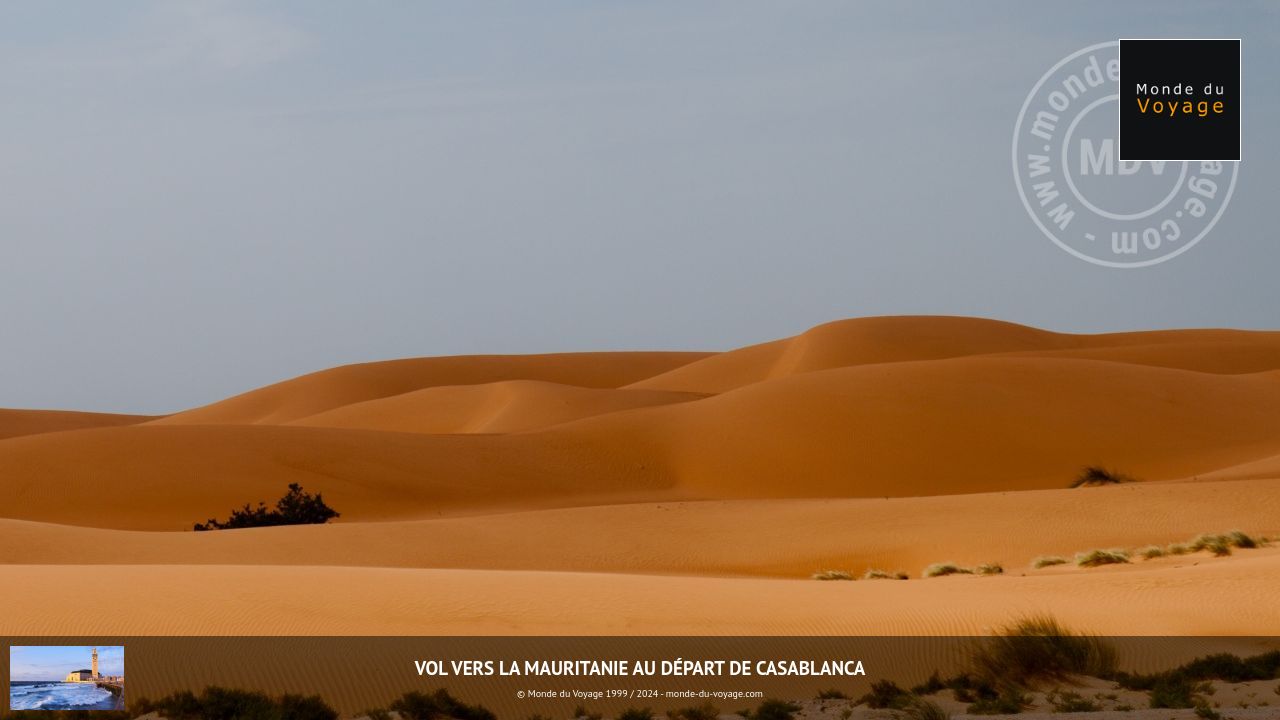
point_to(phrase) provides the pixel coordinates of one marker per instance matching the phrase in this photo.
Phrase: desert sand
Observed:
(674, 493)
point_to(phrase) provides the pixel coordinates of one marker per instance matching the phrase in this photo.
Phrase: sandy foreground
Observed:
(673, 493)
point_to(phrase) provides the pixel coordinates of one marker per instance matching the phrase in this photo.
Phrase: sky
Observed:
(53, 662)
(200, 198)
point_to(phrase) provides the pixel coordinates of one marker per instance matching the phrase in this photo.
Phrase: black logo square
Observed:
(1179, 99)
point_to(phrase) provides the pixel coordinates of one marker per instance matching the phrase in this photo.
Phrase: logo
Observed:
(1107, 211)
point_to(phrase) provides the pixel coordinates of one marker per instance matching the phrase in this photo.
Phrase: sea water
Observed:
(27, 695)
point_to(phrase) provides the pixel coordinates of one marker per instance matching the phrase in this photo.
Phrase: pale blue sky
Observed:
(203, 197)
(53, 662)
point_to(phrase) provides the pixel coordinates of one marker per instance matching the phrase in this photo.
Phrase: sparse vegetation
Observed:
(439, 704)
(926, 710)
(295, 508)
(1065, 701)
(1207, 713)
(775, 710)
(695, 712)
(1219, 545)
(1045, 561)
(990, 569)
(636, 714)
(946, 568)
(216, 703)
(1009, 702)
(1039, 648)
(875, 574)
(1096, 558)
(1151, 552)
(886, 694)
(582, 713)
(832, 575)
(1095, 475)
(832, 694)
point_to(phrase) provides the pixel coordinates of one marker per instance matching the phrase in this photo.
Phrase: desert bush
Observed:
(1207, 713)
(1066, 701)
(1039, 648)
(1219, 545)
(1045, 561)
(695, 712)
(946, 568)
(295, 508)
(775, 710)
(990, 569)
(875, 574)
(1096, 558)
(832, 694)
(1094, 475)
(934, 684)
(1009, 702)
(582, 713)
(1151, 552)
(1173, 691)
(439, 704)
(1178, 549)
(217, 703)
(832, 575)
(886, 694)
(1242, 540)
(636, 714)
(926, 710)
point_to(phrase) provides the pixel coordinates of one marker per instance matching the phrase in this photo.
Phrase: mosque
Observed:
(87, 676)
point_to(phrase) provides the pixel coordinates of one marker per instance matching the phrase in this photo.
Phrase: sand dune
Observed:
(502, 407)
(167, 477)
(945, 427)
(707, 538)
(328, 389)
(229, 600)
(865, 341)
(17, 423)
(673, 492)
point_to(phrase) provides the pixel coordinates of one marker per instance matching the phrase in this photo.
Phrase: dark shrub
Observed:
(1173, 691)
(439, 704)
(832, 694)
(1097, 475)
(1038, 648)
(697, 712)
(295, 508)
(1009, 702)
(886, 694)
(636, 714)
(775, 710)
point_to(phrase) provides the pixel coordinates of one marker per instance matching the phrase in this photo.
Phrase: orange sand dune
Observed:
(864, 341)
(16, 423)
(1258, 353)
(290, 600)
(328, 389)
(943, 427)
(708, 538)
(651, 493)
(503, 407)
(165, 477)
(962, 425)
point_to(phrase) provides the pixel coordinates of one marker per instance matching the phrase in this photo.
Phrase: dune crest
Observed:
(501, 407)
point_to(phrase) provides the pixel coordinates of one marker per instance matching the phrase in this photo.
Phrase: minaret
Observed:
(95, 663)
